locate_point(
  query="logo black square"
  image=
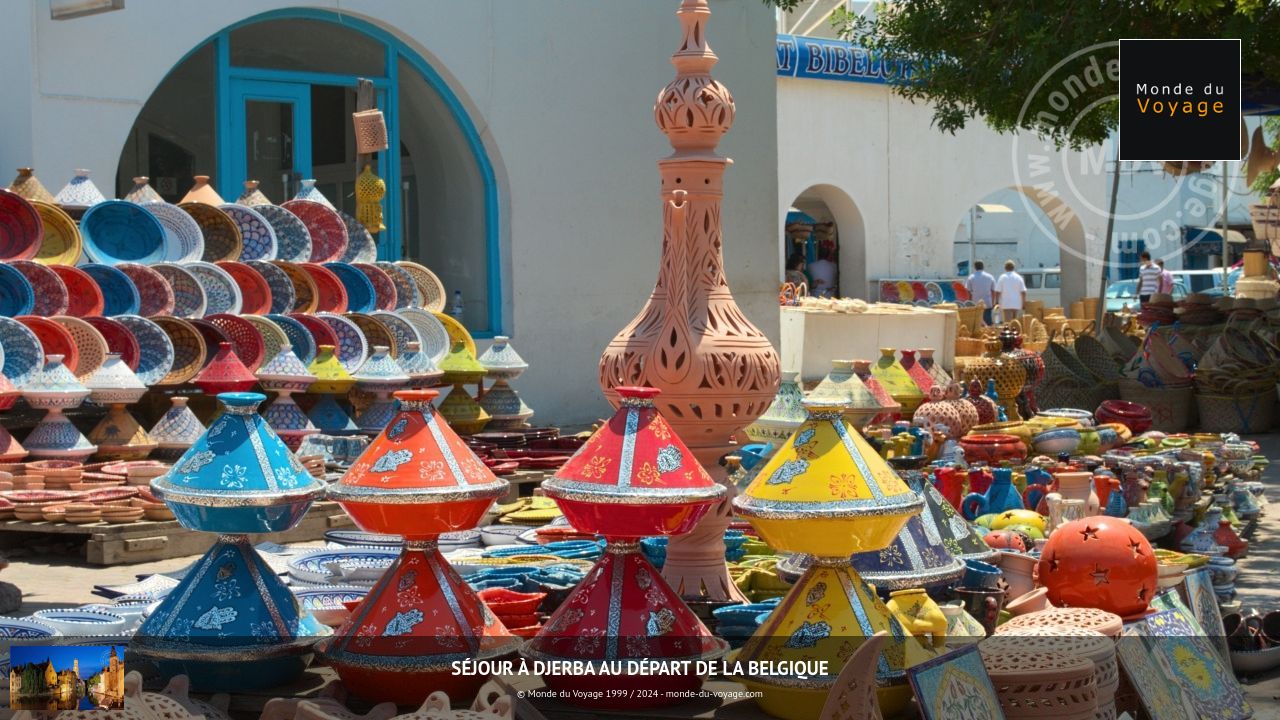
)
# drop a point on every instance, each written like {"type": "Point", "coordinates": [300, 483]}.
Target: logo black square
{"type": "Point", "coordinates": [1180, 99]}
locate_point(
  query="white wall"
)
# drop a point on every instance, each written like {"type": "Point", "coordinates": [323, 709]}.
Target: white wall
{"type": "Point", "coordinates": [562, 92]}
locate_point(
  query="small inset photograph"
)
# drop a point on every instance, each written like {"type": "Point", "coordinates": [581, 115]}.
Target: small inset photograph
{"type": "Point", "coordinates": [47, 679]}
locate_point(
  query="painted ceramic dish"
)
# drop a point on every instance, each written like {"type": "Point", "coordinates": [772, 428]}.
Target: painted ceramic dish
{"type": "Point", "coordinates": [257, 236]}
{"type": "Point", "coordinates": [320, 331]}
{"type": "Point", "coordinates": [221, 234]}
{"type": "Point", "coordinates": [213, 337]}
{"type": "Point", "coordinates": [255, 293]}
{"type": "Point", "coordinates": [361, 296]}
{"type": "Point", "coordinates": [300, 338]}
{"type": "Point", "coordinates": [82, 623]}
{"type": "Point", "coordinates": [352, 347]}
{"type": "Point", "coordinates": [23, 354]}
{"type": "Point", "coordinates": [245, 339]}
{"type": "Point", "coordinates": [305, 292]}
{"type": "Point", "coordinates": [189, 349]}
{"type": "Point", "coordinates": [402, 331]}
{"type": "Point", "coordinates": [119, 340]}
{"type": "Point", "coordinates": [50, 292]}
{"type": "Point", "coordinates": [430, 287]}
{"type": "Point", "coordinates": [361, 247]}
{"type": "Point", "coordinates": [328, 232]}
{"type": "Point", "coordinates": [432, 333]}
{"type": "Point", "coordinates": [16, 295]}
{"type": "Point", "coordinates": [184, 242]}
{"type": "Point", "coordinates": [273, 338]}
{"type": "Point", "coordinates": [357, 565]}
{"type": "Point", "coordinates": [119, 231]}
{"type": "Point", "coordinates": [293, 240]}
{"type": "Point", "coordinates": [55, 340]}
{"type": "Point", "coordinates": [375, 332]}
{"type": "Point", "coordinates": [61, 244]}
{"type": "Point", "coordinates": [384, 288]}
{"type": "Point", "coordinates": [328, 602]}
{"type": "Point", "coordinates": [119, 296]}
{"type": "Point", "coordinates": [155, 349]}
{"type": "Point", "coordinates": [222, 294]}
{"type": "Point", "coordinates": [21, 228]}
{"type": "Point", "coordinates": [407, 292]}
{"type": "Point", "coordinates": [457, 332]}
{"type": "Point", "coordinates": [283, 297]}
{"type": "Point", "coordinates": [331, 294]}
{"type": "Point", "coordinates": [92, 346]}
{"type": "Point", "coordinates": [155, 294]}
{"type": "Point", "coordinates": [188, 294]}
{"type": "Point", "coordinates": [84, 297]}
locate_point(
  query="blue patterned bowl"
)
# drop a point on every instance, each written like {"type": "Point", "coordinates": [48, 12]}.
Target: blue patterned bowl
{"type": "Point", "coordinates": [361, 296]}
{"type": "Point", "coordinates": [188, 294]}
{"type": "Point", "coordinates": [1058, 440]}
{"type": "Point", "coordinates": [257, 234]}
{"type": "Point", "coordinates": [16, 294]}
{"type": "Point", "coordinates": [293, 240]}
{"type": "Point", "coordinates": [283, 294]}
{"type": "Point", "coordinates": [301, 339]}
{"type": "Point", "coordinates": [120, 231]}
{"type": "Point", "coordinates": [22, 352]}
{"type": "Point", "coordinates": [119, 294]}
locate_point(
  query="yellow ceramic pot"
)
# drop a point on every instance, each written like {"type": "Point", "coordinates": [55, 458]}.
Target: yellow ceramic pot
{"type": "Point", "coordinates": [1041, 423]}
{"type": "Point", "coordinates": [1122, 430]}
{"type": "Point", "coordinates": [919, 614]}
{"type": "Point", "coordinates": [1018, 517]}
{"type": "Point", "coordinates": [1090, 442]}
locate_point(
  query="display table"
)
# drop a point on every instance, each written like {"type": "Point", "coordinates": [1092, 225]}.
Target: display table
{"type": "Point", "coordinates": [811, 339]}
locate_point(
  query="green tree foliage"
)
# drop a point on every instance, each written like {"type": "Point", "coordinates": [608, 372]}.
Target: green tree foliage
{"type": "Point", "coordinates": [984, 58]}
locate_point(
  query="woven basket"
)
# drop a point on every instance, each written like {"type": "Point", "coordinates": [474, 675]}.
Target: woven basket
{"type": "Point", "coordinates": [1172, 409]}
{"type": "Point", "coordinates": [1070, 393]}
{"type": "Point", "coordinates": [1250, 413]}
{"type": "Point", "coordinates": [1060, 364]}
{"type": "Point", "coordinates": [970, 316]}
{"type": "Point", "coordinates": [1094, 356]}
{"type": "Point", "coordinates": [966, 344]}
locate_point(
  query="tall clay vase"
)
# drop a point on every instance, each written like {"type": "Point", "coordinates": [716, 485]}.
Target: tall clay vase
{"type": "Point", "coordinates": [716, 370]}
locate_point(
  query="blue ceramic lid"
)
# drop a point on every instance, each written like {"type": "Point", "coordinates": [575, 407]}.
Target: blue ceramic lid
{"type": "Point", "coordinates": [417, 363]}
{"type": "Point", "coordinates": [502, 360]}
{"type": "Point", "coordinates": [381, 369]}
{"type": "Point", "coordinates": [178, 427]}
{"type": "Point", "coordinates": [916, 558]}
{"type": "Point", "coordinates": [230, 605]}
{"type": "Point", "coordinates": [238, 462]}
{"type": "Point", "coordinates": [54, 379]}
{"type": "Point", "coordinates": [329, 417]}
{"type": "Point", "coordinates": [79, 192]}
{"type": "Point", "coordinates": [285, 366]}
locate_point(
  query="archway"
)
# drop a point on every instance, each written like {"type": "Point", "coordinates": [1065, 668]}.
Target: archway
{"type": "Point", "coordinates": [270, 98]}
{"type": "Point", "coordinates": [824, 220]}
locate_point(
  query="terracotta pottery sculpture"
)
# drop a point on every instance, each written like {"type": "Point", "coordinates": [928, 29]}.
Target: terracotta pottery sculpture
{"type": "Point", "coordinates": [983, 405]}
{"type": "Point", "coordinates": [717, 371]}
{"type": "Point", "coordinates": [1076, 642]}
{"type": "Point", "coordinates": [1029, 681]}
{"type": "Point", "coordinates": [853, 696]}
{"type": "Point", "coordinates": [29, 186]}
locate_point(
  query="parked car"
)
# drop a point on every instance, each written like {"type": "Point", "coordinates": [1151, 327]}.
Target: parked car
{"type": "Point", "coordinates": [1124, 293]}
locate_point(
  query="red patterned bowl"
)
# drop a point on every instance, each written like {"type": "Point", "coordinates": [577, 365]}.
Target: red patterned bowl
{"type": "Point", "coordinates": [119, 339]}
{"type": "Point", "coordinates": [319, 329]}
{"type": "Point", "coordinates": [155, 294]}
{"type": "Point", "coordinates": [384, 288]}
{"type": "Point", "coordinates": [50, 291]}
{"type": "Point", "coordinates": [245, 339]}
{"type": "Point", "coordinates": [21, 228]}
{"type": "Point", "coordinates": [1132, 415]}
{"type": "Point", "coordinates": [993, 449]}
{"type": "Point", "coordinates": [255, 293]}
{"type": "Point", "coordinates": [328, 232]}
{"type": "Point", "coordinates": [84, 297]}
{"type": "Point", "coordinates": [331, 294]}
{"type": "Point", "coordinates": [54, 338]}
{"type": "Point", "coordinates": [213, 337]}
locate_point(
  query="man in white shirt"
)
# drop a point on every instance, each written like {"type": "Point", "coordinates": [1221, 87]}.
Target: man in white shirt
{"type": "Point", "coordinates": [1011, 290]}
{"type": "Point", "coordinates": [1148, 278]}
{"type": "Point", "coordinates": [980, 284]}
{"type": "Point", "coordinates": [823, 273]}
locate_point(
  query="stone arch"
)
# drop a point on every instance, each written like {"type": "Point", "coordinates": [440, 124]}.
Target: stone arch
{"type": "Point", "coordinates": [826, 202]}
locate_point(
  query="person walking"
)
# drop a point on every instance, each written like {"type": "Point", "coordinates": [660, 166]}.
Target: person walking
{"type": "Point", "coordinates": [980, 285]}
{"type": "Point", "coordinates": [1148, 278]}
{"type": "Point", "coordinates": [1166, 279]}
{"type": "Point", "coordinates": [1011, 290]}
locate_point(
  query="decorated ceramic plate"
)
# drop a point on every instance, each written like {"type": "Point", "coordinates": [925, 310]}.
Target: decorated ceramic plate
{"type": "Point", "coordinates": [184, 242]}
{"type": "Point", "coordinates": [300, 339]}
{"type": "Point", "coordinates": [255, 293]}
{"type": "Point", "coordinates": [352, 347]}
{"type": "Point", "coordinates": [320, 331]}
{"type": "Point", "coordinates": [188, 294]}
{"type": "Point", "coordinates": [273, 338]}
{"type": "Point", "coordinates": [326, 601]}
{"type": "Point", "coordinates": [84, 298]}
{"type": "Point", "coordinates": [257, 236]}
{"type": "Point", "coordinates": [431, 332]}
{"type": "Point", "coordinates": [245, 339]}
{"type": "Point", "coordinates": [361, 247]}
{"type": "Point", "coordinates": [407, 292]}
{"type": "Point", "coordinates": [283, 297]}
{"type": "Point", "coordinates": [355, 566]}
{"type": "Point", "coordinates": [305, 292]}
{"type": "Point", "coordinates": [402, 331]}
{"type": "Point", "coordinates": [221, 234]}
{"type": "Point", "coordinates": [117, 231]}
{"type": "Point", "coordinates": [155, 349]}
{"type": "Point", "coordinates": [54, 339]}
{"type": "Point", "coordinates": [189, 349]}
{"type": "Point", "coordinates": [16, 295]}
{"type": "Point", "coordinates": [21, 228]}
{"type": "Point", "coordinates": [92, 346]}
{"type": "Point", "coordinates": [457, 332]}
{"type": "Point", "coordinates": [119, 340]}
{"type": "Point", "coordinates": [155, 294]}
{"type": "Point", "coordinates": [331, 294]}
{"type": "Point", "coordinates": [49, 290]}
{"type": "Point", "coordinates": [360, 538]}
{"type": "Point", "coordinates": [293, 240]}
{"type": "Point", "coordinates": [361, 296]}
{"type": "Point", "coordinates": [213, 337]}
{"type": "Point", "coordinates": [328, 232]}
{"type": "Point", "coordinates": [429, 286]}
{"type": "Point", "coordinates": [222, 294]}
{"type": "Point", "coordinates": [375, 332]}
{"type": "Point", "coordinates": [61, 244]}
{"type": "Point", "coordinates": [119, 296]}
{"type": "Point", "coordinates": [23, 354]}
{"type": "Point", "coordinates": [384, 288]}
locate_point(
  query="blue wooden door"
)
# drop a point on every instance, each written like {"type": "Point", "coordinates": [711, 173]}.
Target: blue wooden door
{"type": "Point", "coordinates": [270, 136]}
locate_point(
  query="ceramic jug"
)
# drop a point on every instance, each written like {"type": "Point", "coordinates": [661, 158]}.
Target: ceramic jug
{"type": "Point", "coordinates": [1053, 508]}
{"type": "Point", "coordinates": [950, 483]}
{"type": "Point", "coordinates": [962, 628]}
{"type": "Point", "coordinates": [919, 614]}
{"type": "Point", "coordinates": [999, 497]}
{"type": "Point", "coordinates": [1019, 572]}
{"type": "Point", "coordinates": [1116, 506]}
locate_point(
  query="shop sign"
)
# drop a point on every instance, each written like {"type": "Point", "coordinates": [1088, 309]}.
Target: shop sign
{"type": "Point", "coordinates": [806, 57]}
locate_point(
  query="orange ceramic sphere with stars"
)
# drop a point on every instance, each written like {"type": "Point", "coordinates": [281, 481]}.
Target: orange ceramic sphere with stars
{"type": "Point", "coordinates": [1099, 562]}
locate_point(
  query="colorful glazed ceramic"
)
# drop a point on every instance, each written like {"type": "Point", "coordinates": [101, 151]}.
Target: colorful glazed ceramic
{"type": "Point", "coordinates": [361, 247]}
{"type": "Point", "coordinates": [293, 240]}
{"type": "Point", "coordinates": [255, 293]}
{"type": "Point", "coordinates": [189, 349]}
{"type": "Point", "coordinates": [328, 231]}
{"type": "Point", "coordinates": [118, 231]}
{"type": "Point", "coordinates": [29, 186]}
{"type": "Point", "coordinates": [84, 297]}
{"type": "Point", "coordinates": [188, 294]}
{"type": "Point", "coordinates": [783, 416]}
{"type": "Point", "coordinates": [384, 287]}
{"type": "Point", "coordinates": [890, 373]}
{"type": "Point", "coordinates": [21, 227]}
{"type": "Point", "coordinates": [184, 242]}
{"type": "Point", "coordinates": [1099, 562]}
{"type": "Point", "coordinates": [79, 193]}
{"type": "Point", "coordinates": [435, 338]}
{"type": "Point", "coordinates": [155, 294]}
{"type": "Point", "coordinates": [433, 296]}
{"type": "Point", "coordinates": [225, 373]}
{"type": "Point", "coordinates": [352, 347]}
{"type": "Point", "coordinates": [359, 290]}
{"type": "Point", "coordinates": [221, 234]}
{"type": "Point", "coordinates": [155, 348]}
{"type": "Point", "coordinates": [252, 195]}
{"type": "Point", "coordinates": [119, 340]}
{"type": "Point", "coordinates": [300, 339]}
{"type": "Point", "coordinates": [61, 244]}
{"type": "Point", "coordinates": [222, 293]}
{"type": "Point", "coordinates": [176, 430]}
{"type": "Point", "coordinates": [50, 292]}
{"type": "Point", "coordinates": [119, 296]}
{"type": "Point", "coordinates": [407, 293]}
{"type": "Point", "coordinates": [283, 296]}
{"type": "Point", "coordinates": [257, 236]}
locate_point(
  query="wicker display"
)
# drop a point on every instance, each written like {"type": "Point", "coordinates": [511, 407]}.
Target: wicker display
{"type": "Point", "coordinates": [968, 345]}
{"type": "Point", "coordinates": [1172, 409]}
{"type": "Point", "coordinates": [1094, 356]}
{"type": "Point", "coordinates": [1245, 413]}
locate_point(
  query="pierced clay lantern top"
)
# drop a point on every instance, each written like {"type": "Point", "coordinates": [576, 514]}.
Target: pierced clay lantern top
{"type": "Point", "coordinates": [826, 492]}
{"type": "Point", "coordinates": [1099, 562]}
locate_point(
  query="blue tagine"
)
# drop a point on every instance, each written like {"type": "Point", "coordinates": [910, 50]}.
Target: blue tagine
{"type": "Point", "coordinates": [231, 624]}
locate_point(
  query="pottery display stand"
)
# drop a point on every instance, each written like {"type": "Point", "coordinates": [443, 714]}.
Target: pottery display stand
{"type": "Point", "coordinates": [716, 370]}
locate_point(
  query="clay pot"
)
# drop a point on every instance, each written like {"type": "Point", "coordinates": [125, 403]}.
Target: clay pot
{"type": "Point", "coordinates": [993, 449]}
{"type": "Point", "coordinates": [1130, 414]}
{"type": "Point", "coordinates": [1033, 601]}
{"type": "Point", "coordinates": [1226, 536]}
{"type": "Point", "coordinates": [983, 605]}
{"type": "Point", "coordinates": [1019, 572]}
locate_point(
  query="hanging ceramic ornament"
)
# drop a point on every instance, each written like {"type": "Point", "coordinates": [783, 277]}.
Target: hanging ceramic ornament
{"type": "Point", "coordinates": [332, 381]}
{"type": "Point", "coordinates": [175, 431]}
{"type": "Point", "coordinates": [285, 375]}
{"type": "Point", "coordinates": [462, 412]}
{"type": "Point", "coordinates": [634, 478]}
{"type": "Point", "coordinates": [118, 435]}
{"type": "Point", "coordinates": [369, 192]}
{"type": "Point", "coordinates": [419, 480]}
{"type": "Point", "coordinates": [842, 387]}
{"type": "Point", "coordinates": [507, 410]}
{"type": "Point", "coordinates": [252, 195]}
{"type": "Point", "coordinates": [380, 375]}
{"type": "Point", "coordinates": [231, 624]}
{"type": "Point", "coordinates": [56, 389]}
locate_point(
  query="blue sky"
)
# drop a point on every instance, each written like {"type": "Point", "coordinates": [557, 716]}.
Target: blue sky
{"type": "Point", "coordinates": [92, 657]}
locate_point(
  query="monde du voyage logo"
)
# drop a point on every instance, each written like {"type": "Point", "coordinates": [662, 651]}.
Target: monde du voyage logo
{"type": "Point", "coordinates": [1180, 99]}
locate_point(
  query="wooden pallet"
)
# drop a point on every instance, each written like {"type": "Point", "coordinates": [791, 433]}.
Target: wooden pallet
{"type": "Point", "coordinates": [147, 540]}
